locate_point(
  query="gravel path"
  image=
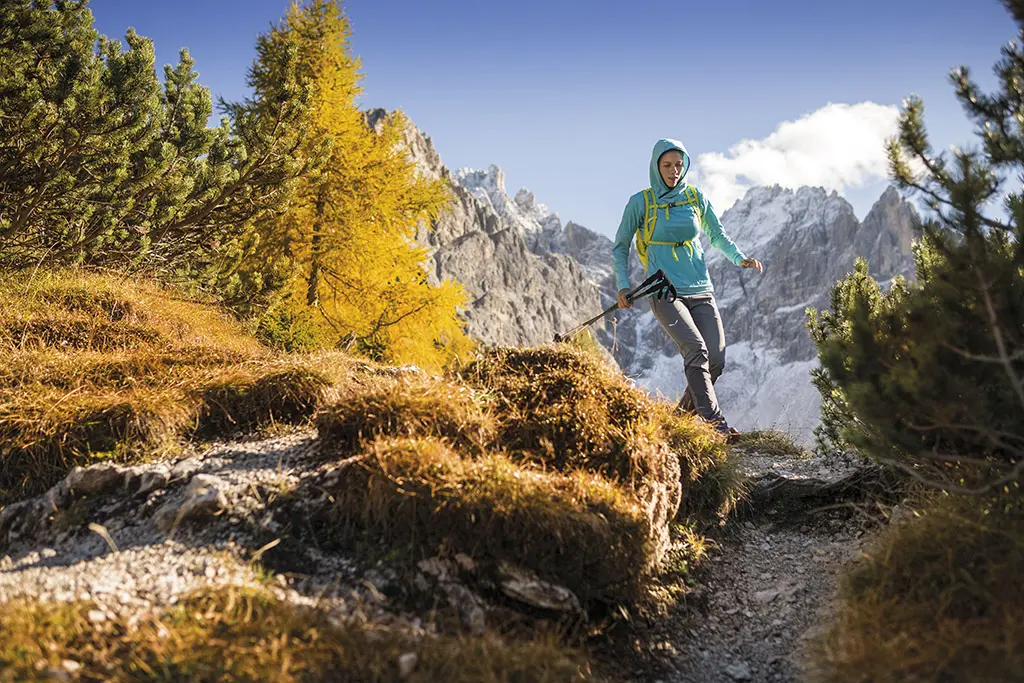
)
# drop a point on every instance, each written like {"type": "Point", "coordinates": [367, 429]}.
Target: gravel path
{"type": "Point", "coordinates": [150, 534]}
{"type": "Point", "coordinates": [767, 587]}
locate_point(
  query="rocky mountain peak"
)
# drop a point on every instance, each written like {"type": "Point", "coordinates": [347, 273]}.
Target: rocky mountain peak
{"type": "Point", "coordinates": [525, 200]}
{"type": "Point", "coordinates": [523, 211]}
{"type": "Point", "coordinates": [421, 146]}
{"type": "Point", "coordinates": [764, 214]}
{"type": "Point", "coordinates": [891, 196]}
{"type": "Point", "coordinates": [490, 180]}
{"type": "Point", "coordinates": [518, 294]}
{"type": "Point", "coordinates": [887, 234]}
{"type": "Point", "coordinates": [890, 203]}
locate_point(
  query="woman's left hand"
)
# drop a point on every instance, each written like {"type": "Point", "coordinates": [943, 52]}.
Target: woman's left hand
{"type": "Point", "coordinates": [752, 263]}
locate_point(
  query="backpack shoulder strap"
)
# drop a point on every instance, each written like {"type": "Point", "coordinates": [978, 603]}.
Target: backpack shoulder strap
{"type": "Point", "coordinates": [693, 199]}
{"type": "Point", "coordinates": [646, 231]}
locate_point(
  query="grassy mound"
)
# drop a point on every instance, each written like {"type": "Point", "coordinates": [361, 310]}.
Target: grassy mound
{"type": "Point", "coordinates": [938, 599]}
{"type": "Point", "coordinates": [424, 407]}
{"type": "Point", "coordinates": [564, 408]}
{"type": "Point", "coordinates": [568, 409]}
{"type": "Point", "coordinates": [771, 442]}
{"type": "Point", "coordinates": [712, 483]}
{"type": "Point", "coordinates": [544, 457]}
{"type": "Point", "coordinates": [96, 368]}
{"type": "Point", "coordinates": [576, 529]}
{"type": "Point", "coordinates": [241, 400]}
{"type": "Point", "coordinates": [234, 634]}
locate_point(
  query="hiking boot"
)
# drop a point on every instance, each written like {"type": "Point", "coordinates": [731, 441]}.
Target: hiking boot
{"type": "Point", "coordinates": [731, 434]}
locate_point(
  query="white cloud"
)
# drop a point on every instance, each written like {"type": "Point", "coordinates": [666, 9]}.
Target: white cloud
{"type": "Point", "coordinates": [837, 146]}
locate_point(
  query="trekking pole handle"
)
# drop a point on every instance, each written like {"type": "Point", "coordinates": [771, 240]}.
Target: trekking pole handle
{"type": "Point", "coordinates": [655, 283]}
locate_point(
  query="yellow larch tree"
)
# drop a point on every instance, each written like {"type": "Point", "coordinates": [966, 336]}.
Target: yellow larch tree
{"type": "Point", "coordinates": [348, 238]}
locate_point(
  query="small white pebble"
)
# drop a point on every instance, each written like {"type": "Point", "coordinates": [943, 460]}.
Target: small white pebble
{"type": "Point", "coordinates": [96, 616]}
{"type": "Point", "coordinates": [407, 664]}
{"type": "Point", "coordinates": [70, 665]}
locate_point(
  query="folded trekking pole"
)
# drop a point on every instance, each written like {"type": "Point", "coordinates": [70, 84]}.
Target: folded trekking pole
{"type": "Point", "coordinates": [656, 284]}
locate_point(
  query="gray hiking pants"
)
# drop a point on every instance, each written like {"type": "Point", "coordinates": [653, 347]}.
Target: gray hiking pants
{"type": "Point", "coordinates": [695, 326]}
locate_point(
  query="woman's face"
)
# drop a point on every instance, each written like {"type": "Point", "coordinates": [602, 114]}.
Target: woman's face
{"type": "Point", "coordinates": [671, 166]}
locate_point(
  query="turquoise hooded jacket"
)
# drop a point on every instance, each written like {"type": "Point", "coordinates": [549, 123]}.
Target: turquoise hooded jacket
{"type": "Point", "coordinates": [685, 267]}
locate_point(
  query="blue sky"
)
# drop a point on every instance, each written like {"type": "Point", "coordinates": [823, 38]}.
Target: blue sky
{"type": "Point", "coordinates": [569, 97]}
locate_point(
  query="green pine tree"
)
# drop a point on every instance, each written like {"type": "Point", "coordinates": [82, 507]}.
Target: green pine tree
{"type": "Point", "coordinates": [929, 376]}
{"type": "Point", "coordinates": [101, 164]}
{"type": "Point", "coordinates": [76, 109]}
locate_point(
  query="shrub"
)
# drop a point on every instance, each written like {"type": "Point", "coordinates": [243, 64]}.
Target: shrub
{"type": "Point", "coordinates": [928, 375]}
{"type": "Point", "coordinates": [938, 598]}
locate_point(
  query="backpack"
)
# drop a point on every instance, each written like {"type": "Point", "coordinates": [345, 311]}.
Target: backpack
{"type": "Point", "coordinates": [643, 236]}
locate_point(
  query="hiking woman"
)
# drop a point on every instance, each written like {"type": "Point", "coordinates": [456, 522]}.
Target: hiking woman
{"type": "Point", "coordinates": [667, 219]}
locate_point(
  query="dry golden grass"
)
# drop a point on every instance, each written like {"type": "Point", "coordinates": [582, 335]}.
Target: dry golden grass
{"type": "Point", "coordinates": [543, 457]}
{"type": "Point", "coordinates": [939, 598]}
{"type": "Point", "coordinates": [233, 634]}
{"type": "Point", "coordinates": [675, 576]}
{"type": "Point", "coordinates": [712, 483]}
{"type": "Point", "coordinates": [715, 494]}
{"type": "Point", "coordinates": [563, 407]}
{"type": "Point", "coordinates": [569, 409]}
{"type": "Point", "coordinates": [288, 393]}
{"type": "Point", "coordinates": [771, 442]}
{"type": "Point", "coordinates": [576, 529]}
{"type": "Point", "coordinates": [557, 407]}
{"type": "Point", "coordinates": [409, 407]}
{"type": "Point", "coordinates": [97, 368]}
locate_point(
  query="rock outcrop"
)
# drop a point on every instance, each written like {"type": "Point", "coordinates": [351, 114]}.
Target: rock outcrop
{"type": "Point", "coordinates": [517, 296]}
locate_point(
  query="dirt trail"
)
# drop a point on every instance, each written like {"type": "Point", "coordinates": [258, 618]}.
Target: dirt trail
{"type": "Point", "coordinates": [768, 590]}
{"type": "Point", "coordinates": [770, 582]}
{"type": "Point", "coordinates": [159, 531]}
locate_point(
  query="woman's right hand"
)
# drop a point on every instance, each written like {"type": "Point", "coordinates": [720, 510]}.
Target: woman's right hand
{"type": "Point", "coordinates": [623, 301]}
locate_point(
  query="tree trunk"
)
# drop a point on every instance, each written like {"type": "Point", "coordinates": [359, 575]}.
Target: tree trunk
{"type": "Point", "coordinates": [313, 284]}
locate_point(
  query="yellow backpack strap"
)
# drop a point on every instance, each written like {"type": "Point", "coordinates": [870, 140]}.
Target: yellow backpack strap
{"type": "Point", "coordinates": [693, 199]}
{"type": "Point", "coordinates": [643, 236]}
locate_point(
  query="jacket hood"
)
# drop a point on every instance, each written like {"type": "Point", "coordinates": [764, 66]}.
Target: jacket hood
{"type": "Point", "coordinates": [661, 190]}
